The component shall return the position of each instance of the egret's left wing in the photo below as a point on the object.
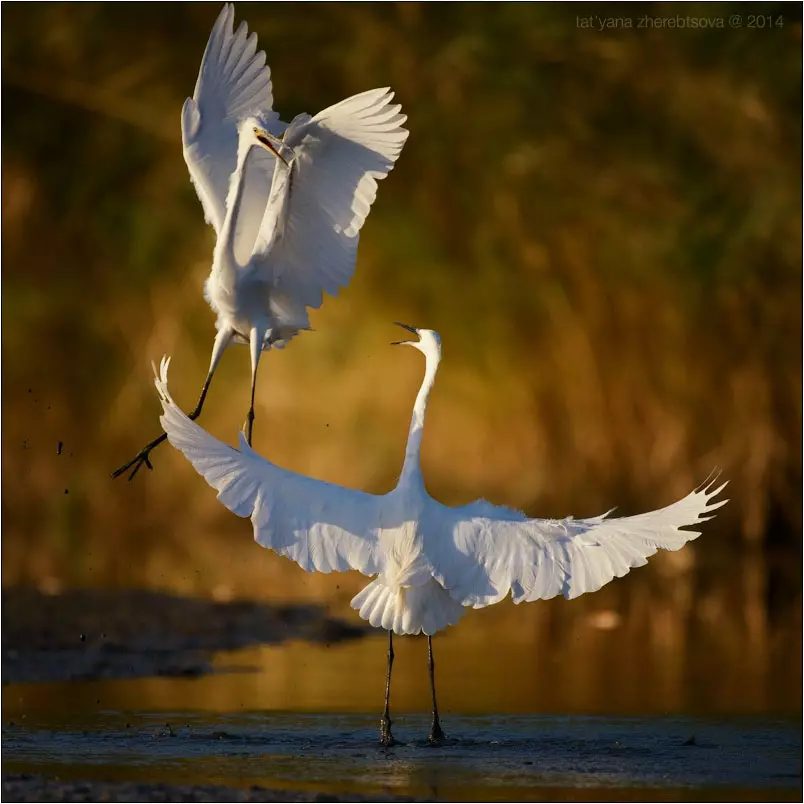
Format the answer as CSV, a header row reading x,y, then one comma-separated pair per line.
x,y
320,526
233,81
341,153
481,552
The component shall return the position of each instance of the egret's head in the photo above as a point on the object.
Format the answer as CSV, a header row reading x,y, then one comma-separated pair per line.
x,y
428,341
256,130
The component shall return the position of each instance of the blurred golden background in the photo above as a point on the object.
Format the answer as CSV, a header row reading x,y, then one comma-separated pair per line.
x,y
604,226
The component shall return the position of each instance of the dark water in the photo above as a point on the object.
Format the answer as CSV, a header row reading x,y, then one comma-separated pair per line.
x,y
486,758
597,715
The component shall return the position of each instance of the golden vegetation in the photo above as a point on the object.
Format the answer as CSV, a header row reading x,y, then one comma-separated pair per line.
x,y
604,227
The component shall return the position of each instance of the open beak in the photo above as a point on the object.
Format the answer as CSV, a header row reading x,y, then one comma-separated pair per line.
x,y
409,329
267,140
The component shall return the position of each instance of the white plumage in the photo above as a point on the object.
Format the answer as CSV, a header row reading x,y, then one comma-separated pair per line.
x,y
428,561
419,550
287,202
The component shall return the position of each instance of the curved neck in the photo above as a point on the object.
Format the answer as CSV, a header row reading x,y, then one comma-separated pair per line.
x,y
412,467
234,201
255,205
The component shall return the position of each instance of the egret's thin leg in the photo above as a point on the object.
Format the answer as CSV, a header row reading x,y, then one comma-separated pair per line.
x,y
250,420
386,738
143,456
255,342
436,734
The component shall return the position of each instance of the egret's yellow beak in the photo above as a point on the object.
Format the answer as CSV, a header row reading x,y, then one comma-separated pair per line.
x,y
267,140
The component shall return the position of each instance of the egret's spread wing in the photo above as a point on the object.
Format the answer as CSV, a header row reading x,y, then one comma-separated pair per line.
x,y
340,155
488,551
233,82
320,526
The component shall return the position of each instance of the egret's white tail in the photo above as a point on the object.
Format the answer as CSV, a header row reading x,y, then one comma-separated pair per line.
x,y
407,610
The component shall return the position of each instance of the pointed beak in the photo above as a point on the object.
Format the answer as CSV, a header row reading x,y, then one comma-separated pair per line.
x,y
409,329
267,140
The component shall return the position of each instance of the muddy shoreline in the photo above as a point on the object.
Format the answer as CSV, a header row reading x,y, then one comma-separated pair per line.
x,y
35,787
86,635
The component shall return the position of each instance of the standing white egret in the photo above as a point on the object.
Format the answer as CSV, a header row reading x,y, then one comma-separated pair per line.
x,y
430,561
288,227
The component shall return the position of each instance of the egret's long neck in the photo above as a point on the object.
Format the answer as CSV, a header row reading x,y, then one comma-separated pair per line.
x,y
245,220
226,261
411,469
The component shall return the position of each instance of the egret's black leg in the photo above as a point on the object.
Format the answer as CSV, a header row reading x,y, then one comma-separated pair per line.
x,y
436,735
222,340
386,738
256,343
142,457
250,419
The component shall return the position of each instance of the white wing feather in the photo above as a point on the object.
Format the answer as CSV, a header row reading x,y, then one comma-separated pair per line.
x,y
320,526
486,551
340,155
233,82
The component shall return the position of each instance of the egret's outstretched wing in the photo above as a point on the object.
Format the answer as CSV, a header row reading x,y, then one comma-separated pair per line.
x,y
487,551
320,526
233,82
340,155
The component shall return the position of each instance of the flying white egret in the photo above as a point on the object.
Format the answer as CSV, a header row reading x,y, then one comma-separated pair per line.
x,y
429,561
286,201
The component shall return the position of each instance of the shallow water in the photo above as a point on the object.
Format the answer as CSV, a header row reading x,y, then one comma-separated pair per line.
x,y
306,716
596,703
485,758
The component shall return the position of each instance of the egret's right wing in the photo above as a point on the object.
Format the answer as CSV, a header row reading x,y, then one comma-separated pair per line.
x,y
233,82
320,526
341,153
481,552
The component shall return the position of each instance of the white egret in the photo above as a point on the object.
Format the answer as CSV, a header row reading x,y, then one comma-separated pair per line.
x,y
428,561
288,227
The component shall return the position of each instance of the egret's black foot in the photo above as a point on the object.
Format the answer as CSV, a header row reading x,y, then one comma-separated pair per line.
x,y
437,736
137,463
386,738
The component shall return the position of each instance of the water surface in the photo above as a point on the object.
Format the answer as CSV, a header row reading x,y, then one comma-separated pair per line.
x,y
486,757
305,716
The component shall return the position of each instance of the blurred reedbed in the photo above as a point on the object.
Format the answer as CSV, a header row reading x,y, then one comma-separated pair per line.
x,y
604,228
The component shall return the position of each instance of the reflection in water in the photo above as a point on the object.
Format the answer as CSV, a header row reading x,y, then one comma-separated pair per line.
x,y
518,689
504,659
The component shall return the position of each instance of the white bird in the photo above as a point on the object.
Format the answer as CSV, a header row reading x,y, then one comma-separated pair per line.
x,y
428,561
286,201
